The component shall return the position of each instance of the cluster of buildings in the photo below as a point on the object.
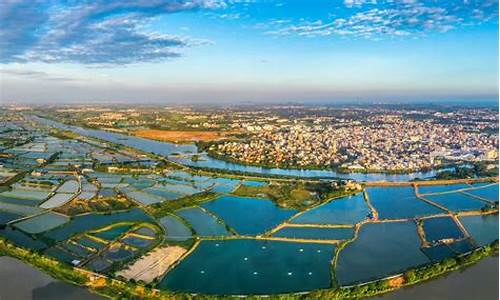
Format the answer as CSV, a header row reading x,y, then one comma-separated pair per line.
x,y
379,143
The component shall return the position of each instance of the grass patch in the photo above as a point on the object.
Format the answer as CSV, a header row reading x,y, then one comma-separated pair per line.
x,y
295,194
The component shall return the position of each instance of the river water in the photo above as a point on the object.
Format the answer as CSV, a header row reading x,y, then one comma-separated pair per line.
x,y
20,281
479,281
167,149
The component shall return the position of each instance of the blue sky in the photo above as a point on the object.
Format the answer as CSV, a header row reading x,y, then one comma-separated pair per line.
x,y
248,50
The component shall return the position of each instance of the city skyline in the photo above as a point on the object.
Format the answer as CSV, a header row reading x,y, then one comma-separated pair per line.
x,y
248,51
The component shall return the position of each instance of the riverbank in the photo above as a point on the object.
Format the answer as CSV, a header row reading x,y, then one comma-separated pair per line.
x,y
479,281
333,168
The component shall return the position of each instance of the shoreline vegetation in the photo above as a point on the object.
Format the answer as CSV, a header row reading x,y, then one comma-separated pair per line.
x,y
478,168
117,289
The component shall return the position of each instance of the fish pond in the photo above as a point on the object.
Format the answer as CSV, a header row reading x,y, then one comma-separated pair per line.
x,y
203,223
346,210
483,229
457,202
248,216
381,249
175,229
315,233
399,203
247,266
441,228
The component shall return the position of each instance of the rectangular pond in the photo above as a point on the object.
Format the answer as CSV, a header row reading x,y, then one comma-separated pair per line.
x,y
6,217
42,223
175,229
247,266
441,228
346,210
489,192
483,229
315,233
457,202
429,189
57,200
381,249
248,216
203,223
399,203
83,223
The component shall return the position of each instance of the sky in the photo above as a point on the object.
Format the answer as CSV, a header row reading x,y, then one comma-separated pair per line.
x,y
248,51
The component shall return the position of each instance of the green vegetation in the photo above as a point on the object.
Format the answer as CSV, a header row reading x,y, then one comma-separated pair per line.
x,y
167,207
480,169
296,194
117,289
410,277
79,206
63,134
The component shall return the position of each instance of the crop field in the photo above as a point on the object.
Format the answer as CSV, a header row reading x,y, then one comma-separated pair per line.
x,y
178,136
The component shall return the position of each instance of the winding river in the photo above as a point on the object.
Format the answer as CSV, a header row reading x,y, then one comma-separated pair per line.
x,y
166,149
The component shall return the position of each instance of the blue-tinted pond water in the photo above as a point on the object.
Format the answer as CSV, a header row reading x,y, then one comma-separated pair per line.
x,y
457,202
203,223
483,229
489,192
252,267
380,250
176,230
438,252
315,233
346,210
462,246
428,189
441,228
248,216
88,222
399,203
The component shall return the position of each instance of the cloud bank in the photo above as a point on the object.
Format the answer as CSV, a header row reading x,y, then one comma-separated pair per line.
x,y
378,19
91,32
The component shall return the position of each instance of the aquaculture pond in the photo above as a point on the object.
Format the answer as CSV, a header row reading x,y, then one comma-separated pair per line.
x,y
315,233
438,252
203,223
88,222
6,217
22,239
346,210
489,192
441,228
430,189
247,266
483,229
42,223
381,249
248,216
457,202
399,203
175,229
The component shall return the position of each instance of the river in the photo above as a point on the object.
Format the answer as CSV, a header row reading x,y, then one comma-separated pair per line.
x,y
166,149
20,281
479,281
